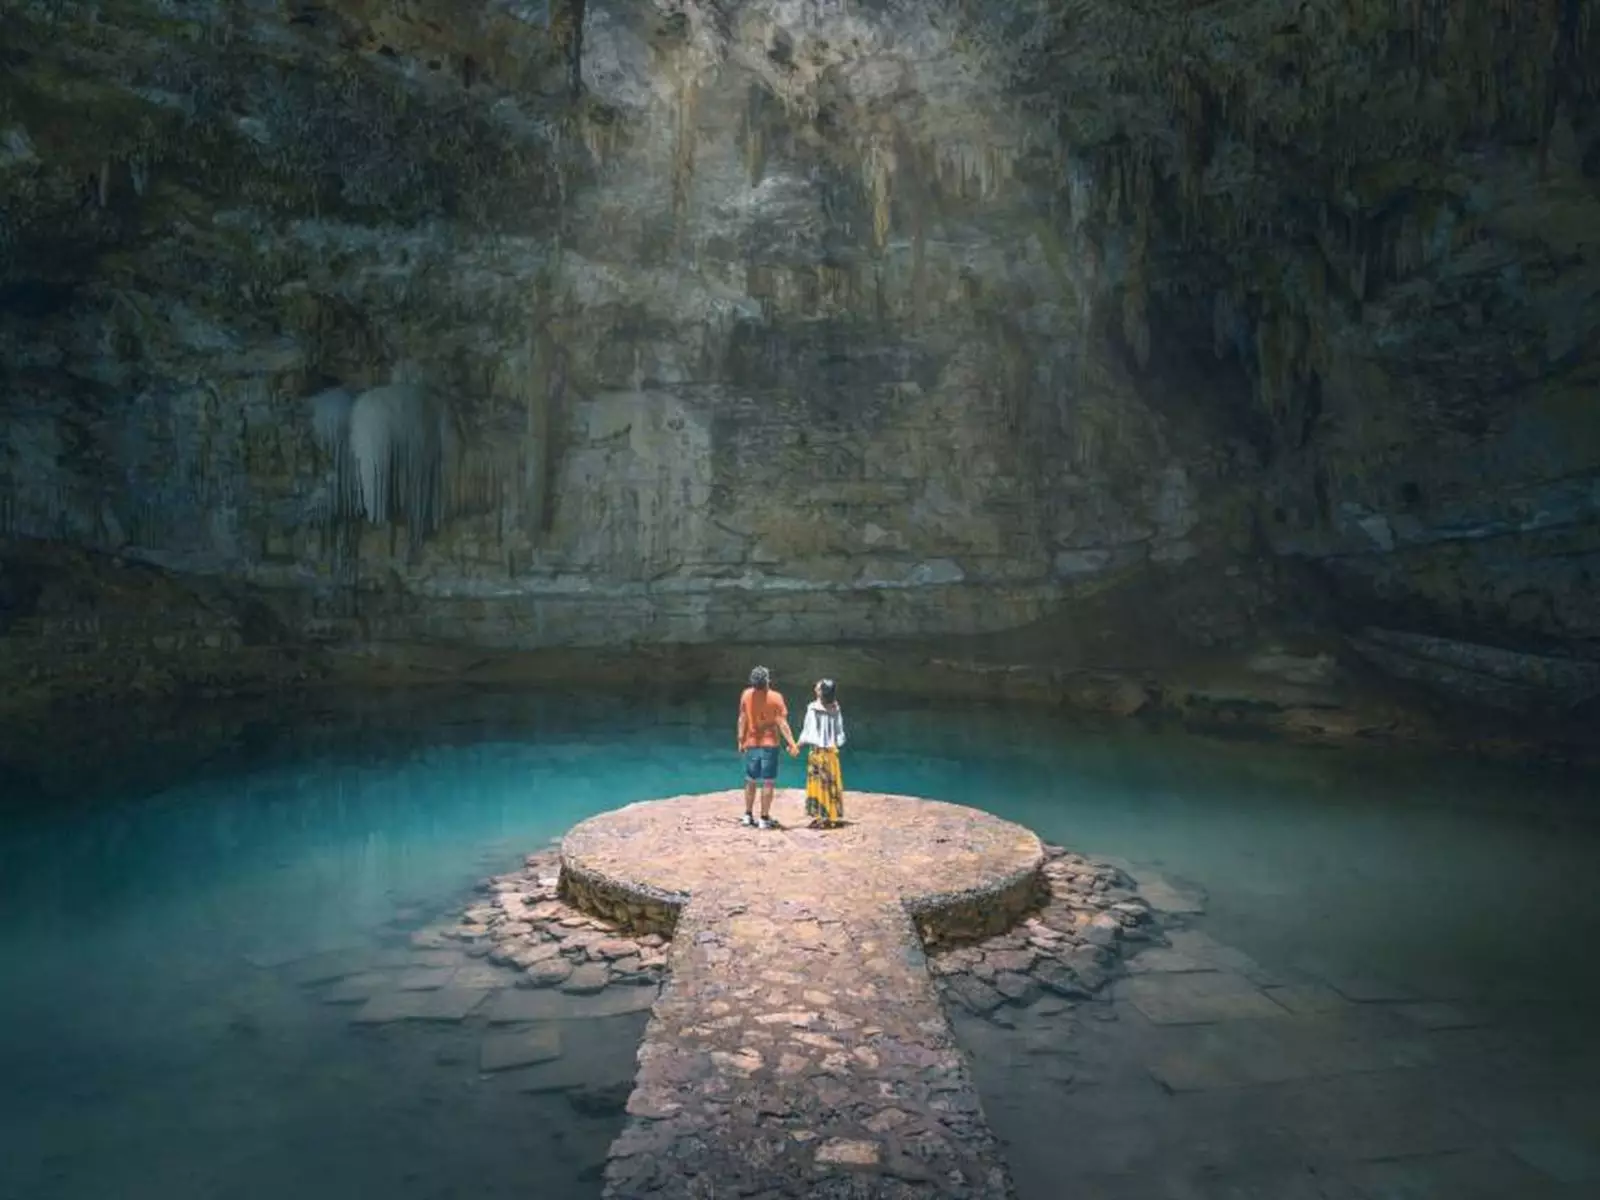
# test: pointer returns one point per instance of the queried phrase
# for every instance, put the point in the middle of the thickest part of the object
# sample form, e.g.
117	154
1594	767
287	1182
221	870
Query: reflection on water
146	879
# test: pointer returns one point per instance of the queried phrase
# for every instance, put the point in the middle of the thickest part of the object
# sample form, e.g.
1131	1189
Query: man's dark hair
827	689
760	677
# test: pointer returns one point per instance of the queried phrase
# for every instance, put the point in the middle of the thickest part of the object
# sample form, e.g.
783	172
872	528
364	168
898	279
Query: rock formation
1206	332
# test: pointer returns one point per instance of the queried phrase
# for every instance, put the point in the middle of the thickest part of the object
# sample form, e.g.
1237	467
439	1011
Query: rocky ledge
1068	949
523	923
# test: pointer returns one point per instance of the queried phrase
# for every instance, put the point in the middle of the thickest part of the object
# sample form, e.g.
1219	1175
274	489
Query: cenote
157	1043
1173	425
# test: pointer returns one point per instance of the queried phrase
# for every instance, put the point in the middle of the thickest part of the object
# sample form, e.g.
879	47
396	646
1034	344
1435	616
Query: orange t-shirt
762	712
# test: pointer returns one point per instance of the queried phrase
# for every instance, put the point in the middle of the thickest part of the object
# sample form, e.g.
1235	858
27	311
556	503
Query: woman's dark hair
760	677
826	688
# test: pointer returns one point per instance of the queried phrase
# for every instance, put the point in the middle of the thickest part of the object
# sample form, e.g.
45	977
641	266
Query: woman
824	733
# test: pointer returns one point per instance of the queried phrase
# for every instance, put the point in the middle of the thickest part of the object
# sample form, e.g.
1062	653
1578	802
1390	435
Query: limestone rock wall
1380	218
774	320
709	390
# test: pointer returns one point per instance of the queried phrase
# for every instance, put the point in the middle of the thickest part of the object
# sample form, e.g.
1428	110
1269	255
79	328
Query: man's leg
769	780
750	784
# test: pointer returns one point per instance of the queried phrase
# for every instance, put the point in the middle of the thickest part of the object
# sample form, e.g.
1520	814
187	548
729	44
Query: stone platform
800	1047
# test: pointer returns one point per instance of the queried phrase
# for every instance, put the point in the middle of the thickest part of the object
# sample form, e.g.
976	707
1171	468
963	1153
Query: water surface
152	886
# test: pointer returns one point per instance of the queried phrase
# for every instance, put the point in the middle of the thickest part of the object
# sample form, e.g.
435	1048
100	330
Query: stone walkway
1183	1068
800	1047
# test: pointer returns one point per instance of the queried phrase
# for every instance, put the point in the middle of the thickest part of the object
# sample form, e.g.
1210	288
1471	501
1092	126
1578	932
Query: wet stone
504	1051
1019	989
449	1004
586	980
847	1152
1061	980
482	975
425	979
545	1004
1010	961
357	989
547	973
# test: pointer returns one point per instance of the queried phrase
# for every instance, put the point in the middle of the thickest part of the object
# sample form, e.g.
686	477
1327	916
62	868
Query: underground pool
1414	935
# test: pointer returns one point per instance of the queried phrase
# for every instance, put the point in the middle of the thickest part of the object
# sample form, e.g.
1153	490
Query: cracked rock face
801	320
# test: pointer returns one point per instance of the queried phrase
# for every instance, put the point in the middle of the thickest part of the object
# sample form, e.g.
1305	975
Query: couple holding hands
763	719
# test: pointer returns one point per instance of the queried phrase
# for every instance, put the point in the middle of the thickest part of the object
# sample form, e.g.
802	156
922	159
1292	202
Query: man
763	717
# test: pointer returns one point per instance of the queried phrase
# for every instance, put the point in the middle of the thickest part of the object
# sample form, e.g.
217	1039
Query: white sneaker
747	821
768	823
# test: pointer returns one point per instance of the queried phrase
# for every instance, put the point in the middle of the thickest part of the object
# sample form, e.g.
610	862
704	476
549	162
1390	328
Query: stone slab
526	1004
522	1048
446	1004
1280	1049
1364	989
485	976
1204	948
586	980
329	967
596	1054
1308	999
1483	1173
1161	960
424	979
1166	897
1196	998
438	958
1436	1014
1378	1115
357	989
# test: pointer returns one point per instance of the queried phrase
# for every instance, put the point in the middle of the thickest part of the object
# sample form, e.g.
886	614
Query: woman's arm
841	727
808	730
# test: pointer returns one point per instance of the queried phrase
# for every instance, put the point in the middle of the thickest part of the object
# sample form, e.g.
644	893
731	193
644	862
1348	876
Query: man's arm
741	730
788	734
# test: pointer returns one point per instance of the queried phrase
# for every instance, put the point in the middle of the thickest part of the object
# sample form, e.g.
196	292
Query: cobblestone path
800	1047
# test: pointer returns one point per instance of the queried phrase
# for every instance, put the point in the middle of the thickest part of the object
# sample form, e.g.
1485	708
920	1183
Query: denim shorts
761	763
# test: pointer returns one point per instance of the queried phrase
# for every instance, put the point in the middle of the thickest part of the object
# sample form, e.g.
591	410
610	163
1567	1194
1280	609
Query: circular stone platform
961	873
800	1040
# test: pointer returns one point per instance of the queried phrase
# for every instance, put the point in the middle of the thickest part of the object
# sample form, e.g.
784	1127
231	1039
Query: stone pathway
800	1047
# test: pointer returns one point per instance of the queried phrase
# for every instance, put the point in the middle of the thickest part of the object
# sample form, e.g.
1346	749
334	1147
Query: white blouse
822	727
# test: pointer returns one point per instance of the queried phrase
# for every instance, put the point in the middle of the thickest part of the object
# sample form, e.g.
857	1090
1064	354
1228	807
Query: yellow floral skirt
824	785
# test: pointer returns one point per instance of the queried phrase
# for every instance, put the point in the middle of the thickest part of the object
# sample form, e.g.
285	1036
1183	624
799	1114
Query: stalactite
919	265
753	136
395	451
684	145
1080	192
601	133
544	376
1227	308
565	25
1135	292
878	166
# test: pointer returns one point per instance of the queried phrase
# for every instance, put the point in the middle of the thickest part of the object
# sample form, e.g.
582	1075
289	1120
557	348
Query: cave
1172	425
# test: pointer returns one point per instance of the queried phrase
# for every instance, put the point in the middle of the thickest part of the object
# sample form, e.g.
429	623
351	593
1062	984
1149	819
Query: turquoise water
150	1048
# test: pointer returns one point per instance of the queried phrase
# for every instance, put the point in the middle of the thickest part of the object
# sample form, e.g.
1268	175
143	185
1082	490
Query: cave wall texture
1168	329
